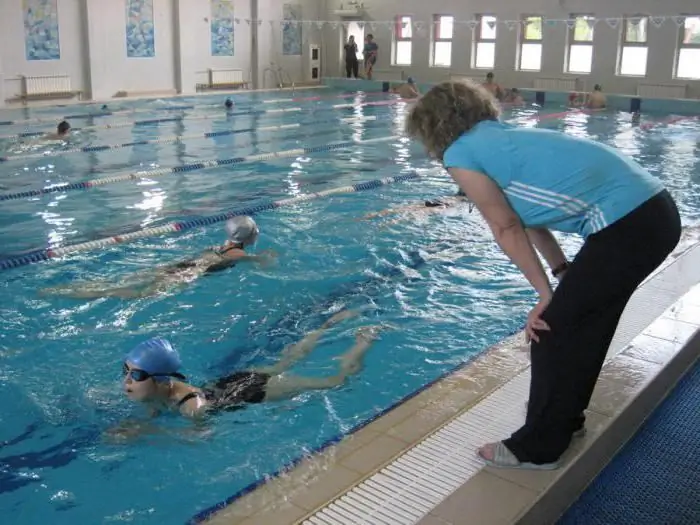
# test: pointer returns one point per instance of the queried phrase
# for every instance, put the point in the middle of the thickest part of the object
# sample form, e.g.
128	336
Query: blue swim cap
410	80
155	356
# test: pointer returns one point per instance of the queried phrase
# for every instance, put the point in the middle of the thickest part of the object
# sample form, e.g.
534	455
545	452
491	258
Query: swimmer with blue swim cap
242	233
152	375
228	103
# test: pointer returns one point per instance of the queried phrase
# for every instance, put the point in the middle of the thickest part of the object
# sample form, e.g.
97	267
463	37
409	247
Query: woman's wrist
558	271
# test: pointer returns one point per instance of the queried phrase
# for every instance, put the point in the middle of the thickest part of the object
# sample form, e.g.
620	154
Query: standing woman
526	181
370	54
351	62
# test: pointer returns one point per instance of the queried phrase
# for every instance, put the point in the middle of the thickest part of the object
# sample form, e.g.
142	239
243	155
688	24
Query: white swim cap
242	230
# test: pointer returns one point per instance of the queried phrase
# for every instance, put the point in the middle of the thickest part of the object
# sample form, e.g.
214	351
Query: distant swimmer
427	207
62	132
152	376
242	233
228	103
408	90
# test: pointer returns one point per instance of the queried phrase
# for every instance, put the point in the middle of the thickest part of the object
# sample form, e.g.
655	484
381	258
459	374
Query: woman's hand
535	321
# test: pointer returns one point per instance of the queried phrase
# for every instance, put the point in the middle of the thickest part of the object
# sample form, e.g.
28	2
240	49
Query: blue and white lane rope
176	227
159	172
78	116
214	116
172	139
148	122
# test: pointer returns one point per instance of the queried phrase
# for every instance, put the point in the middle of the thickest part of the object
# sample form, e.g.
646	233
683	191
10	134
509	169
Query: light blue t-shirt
552	179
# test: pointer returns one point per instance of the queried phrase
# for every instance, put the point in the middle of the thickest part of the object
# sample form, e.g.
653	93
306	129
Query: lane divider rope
169	140
177	227
147	174
131	111
148	122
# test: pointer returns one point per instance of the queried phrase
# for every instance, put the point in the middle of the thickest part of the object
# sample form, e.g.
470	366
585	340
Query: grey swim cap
242	230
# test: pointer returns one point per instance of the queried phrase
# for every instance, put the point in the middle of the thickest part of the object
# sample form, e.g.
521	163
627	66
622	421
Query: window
403	34
485	42
633	55
443	29
688	66
579	58
530	55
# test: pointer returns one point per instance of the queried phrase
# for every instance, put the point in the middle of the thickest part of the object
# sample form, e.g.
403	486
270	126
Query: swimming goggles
141	375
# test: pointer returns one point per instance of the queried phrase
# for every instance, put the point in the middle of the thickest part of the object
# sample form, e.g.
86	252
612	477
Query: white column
254	46
187	14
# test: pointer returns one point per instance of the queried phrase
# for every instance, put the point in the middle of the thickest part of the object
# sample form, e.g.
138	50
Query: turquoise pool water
437	282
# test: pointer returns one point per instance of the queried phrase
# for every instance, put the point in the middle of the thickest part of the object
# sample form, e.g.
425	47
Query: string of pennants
419	25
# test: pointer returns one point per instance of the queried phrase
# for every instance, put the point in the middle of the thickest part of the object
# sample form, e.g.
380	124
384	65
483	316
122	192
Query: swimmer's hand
265	258
129	430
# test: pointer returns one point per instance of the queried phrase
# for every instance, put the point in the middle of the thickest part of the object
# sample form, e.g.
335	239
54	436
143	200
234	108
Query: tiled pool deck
417	463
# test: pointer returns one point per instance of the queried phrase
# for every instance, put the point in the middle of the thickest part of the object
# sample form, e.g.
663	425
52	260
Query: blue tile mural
140	30
291	32
41	30
222	28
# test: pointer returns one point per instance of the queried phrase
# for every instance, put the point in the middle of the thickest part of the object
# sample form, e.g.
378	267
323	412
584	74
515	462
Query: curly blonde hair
448	110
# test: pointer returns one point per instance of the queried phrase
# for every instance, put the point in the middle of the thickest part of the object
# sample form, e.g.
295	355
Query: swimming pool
439	284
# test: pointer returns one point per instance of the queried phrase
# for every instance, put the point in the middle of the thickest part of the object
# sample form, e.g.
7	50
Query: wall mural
41	30
140	30
291	30
222	28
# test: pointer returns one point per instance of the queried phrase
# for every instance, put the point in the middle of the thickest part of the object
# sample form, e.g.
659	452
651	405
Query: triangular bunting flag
283	23
679	20
247	21
591	22
491	24
361	25
319	24
511	24
657	21
334	24
571	24
613	22
471	24
634	20
418	25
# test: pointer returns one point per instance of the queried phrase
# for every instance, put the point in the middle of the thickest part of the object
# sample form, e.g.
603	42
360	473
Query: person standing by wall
351	62
370	54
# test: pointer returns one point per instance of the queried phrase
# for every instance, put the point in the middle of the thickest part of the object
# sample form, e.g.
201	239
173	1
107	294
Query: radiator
223	77
662	91
48	85
556	84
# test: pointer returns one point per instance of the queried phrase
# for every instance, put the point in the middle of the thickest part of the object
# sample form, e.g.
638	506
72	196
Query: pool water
438	284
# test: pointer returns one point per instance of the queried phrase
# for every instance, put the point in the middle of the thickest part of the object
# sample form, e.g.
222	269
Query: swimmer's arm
547	245
505	224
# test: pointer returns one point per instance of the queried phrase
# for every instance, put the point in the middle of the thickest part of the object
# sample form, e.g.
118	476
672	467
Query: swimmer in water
425	208
493	87
242	233
513	97
62	132
408	90
229	104
596	99
152	375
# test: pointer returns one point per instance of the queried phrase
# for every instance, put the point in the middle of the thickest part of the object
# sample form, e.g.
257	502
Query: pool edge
313	483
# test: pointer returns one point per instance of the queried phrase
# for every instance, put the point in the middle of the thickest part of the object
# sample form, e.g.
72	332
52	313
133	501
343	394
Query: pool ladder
279	75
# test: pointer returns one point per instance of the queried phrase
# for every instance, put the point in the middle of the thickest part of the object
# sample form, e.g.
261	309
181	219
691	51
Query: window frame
624	43
397	37
523	40
479	39
682	46
435	39
572	41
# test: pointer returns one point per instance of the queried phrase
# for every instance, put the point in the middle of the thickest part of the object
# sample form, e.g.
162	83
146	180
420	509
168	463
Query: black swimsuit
214	267
233	391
